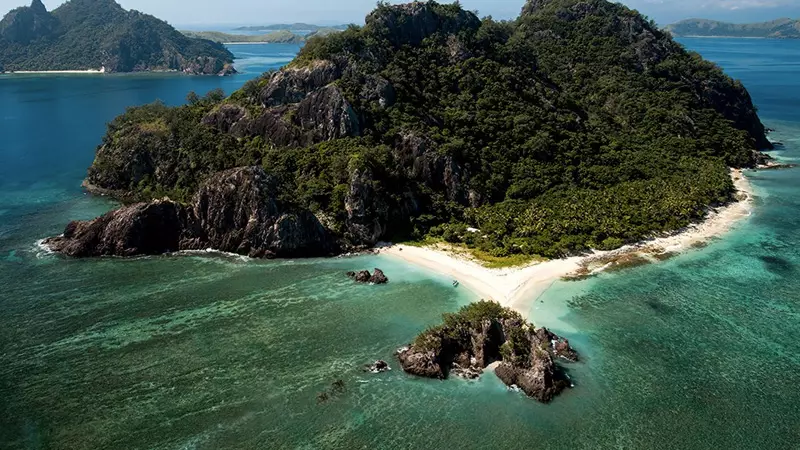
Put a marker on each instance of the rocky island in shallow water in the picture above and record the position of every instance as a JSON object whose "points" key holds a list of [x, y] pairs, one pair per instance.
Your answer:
{"points": [[483, 333], [578, 126], [100, 34]]}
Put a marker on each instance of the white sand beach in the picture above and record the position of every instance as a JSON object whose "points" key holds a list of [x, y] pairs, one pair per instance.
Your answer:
{"points": [[519, 287]]}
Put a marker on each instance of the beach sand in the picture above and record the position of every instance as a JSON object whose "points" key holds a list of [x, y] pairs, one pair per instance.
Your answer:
{"points": [[519, 287], [89, 71]]}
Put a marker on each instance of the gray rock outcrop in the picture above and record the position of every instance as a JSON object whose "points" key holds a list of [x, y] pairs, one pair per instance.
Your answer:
{"points": [[236, 211]]}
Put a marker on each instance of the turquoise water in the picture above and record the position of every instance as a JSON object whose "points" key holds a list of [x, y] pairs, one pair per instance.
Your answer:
{"points": [[213, 351]]}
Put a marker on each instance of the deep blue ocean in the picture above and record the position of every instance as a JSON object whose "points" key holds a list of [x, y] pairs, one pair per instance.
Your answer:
{"points": [[210, 351]]}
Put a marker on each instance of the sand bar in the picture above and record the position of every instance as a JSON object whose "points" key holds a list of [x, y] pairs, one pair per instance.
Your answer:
{"points": [[519, 287]]}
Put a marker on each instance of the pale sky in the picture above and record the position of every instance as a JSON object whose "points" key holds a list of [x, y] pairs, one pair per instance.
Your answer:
{"points": [[262, 12]]}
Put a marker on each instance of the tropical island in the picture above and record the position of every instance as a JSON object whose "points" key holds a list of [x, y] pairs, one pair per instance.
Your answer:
{"points": [[101, 36], [779, 29], [427, 122], [554, 141], [273, 37]]}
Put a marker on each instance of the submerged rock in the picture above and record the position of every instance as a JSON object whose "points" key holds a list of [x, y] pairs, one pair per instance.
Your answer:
{"points": [[484, 333], [378, 366]]}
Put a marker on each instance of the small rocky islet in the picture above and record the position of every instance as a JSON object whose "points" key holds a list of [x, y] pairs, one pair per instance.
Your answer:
{"points": [[482, 333]]}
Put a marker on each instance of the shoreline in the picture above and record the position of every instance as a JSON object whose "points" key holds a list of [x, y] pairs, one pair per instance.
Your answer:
{"points": [[28, 72], [519, 287]]}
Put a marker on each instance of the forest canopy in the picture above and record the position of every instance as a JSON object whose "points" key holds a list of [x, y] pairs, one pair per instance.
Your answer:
{"points": [[578, 125]]}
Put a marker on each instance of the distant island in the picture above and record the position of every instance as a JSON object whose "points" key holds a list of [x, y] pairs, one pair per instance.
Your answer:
{"points": [[101, 36], [779, 29], [579, 126], [294, 27], [275, 37]]}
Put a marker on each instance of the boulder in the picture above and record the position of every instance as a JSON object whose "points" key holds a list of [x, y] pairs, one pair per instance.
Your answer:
{"points": [[378, 277], [363, 276], [378, 366]]}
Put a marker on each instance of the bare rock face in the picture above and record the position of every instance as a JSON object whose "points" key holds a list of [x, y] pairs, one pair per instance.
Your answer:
{"points": [[325, 114], [140, 229], [292, 85], [421, 362], [539, 380], [367, 214], [234, 211], [238, 212]]}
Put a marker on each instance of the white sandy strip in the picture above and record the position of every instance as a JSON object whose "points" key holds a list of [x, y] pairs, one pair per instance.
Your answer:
{"points": [[519, 287], [92, 71]]}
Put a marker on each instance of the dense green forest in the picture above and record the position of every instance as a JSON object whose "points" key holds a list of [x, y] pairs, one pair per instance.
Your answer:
{"points": [[579, 125], [90, 34], [781, 28]]}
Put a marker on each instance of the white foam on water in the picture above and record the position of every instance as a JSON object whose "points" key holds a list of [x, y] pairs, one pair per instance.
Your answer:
{"points": [[42, 250]]}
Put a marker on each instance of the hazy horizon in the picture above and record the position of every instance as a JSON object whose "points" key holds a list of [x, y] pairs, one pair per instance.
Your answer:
{"points": [[321, 12]]}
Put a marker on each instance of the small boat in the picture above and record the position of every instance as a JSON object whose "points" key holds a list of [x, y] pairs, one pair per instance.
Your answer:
{"points": [[455, 283]]}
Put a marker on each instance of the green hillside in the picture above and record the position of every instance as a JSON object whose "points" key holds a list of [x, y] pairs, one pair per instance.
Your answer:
{"points": [[90, 34]]}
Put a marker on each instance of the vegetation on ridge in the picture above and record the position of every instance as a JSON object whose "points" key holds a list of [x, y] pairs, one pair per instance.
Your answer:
{"points": [[90, 34], [780, 28], [579, 125]]}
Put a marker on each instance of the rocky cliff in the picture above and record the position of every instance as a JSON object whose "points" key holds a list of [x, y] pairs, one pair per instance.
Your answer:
{"points": [[94, 34], [234, 211], [428, 121], [484, 333]]}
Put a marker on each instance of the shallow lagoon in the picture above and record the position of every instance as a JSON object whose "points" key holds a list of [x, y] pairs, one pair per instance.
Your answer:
{"points": [[211, 351]]}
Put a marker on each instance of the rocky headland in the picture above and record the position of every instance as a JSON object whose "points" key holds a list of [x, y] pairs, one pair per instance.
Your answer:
{"points": [[483, 334], [233, 211]]}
